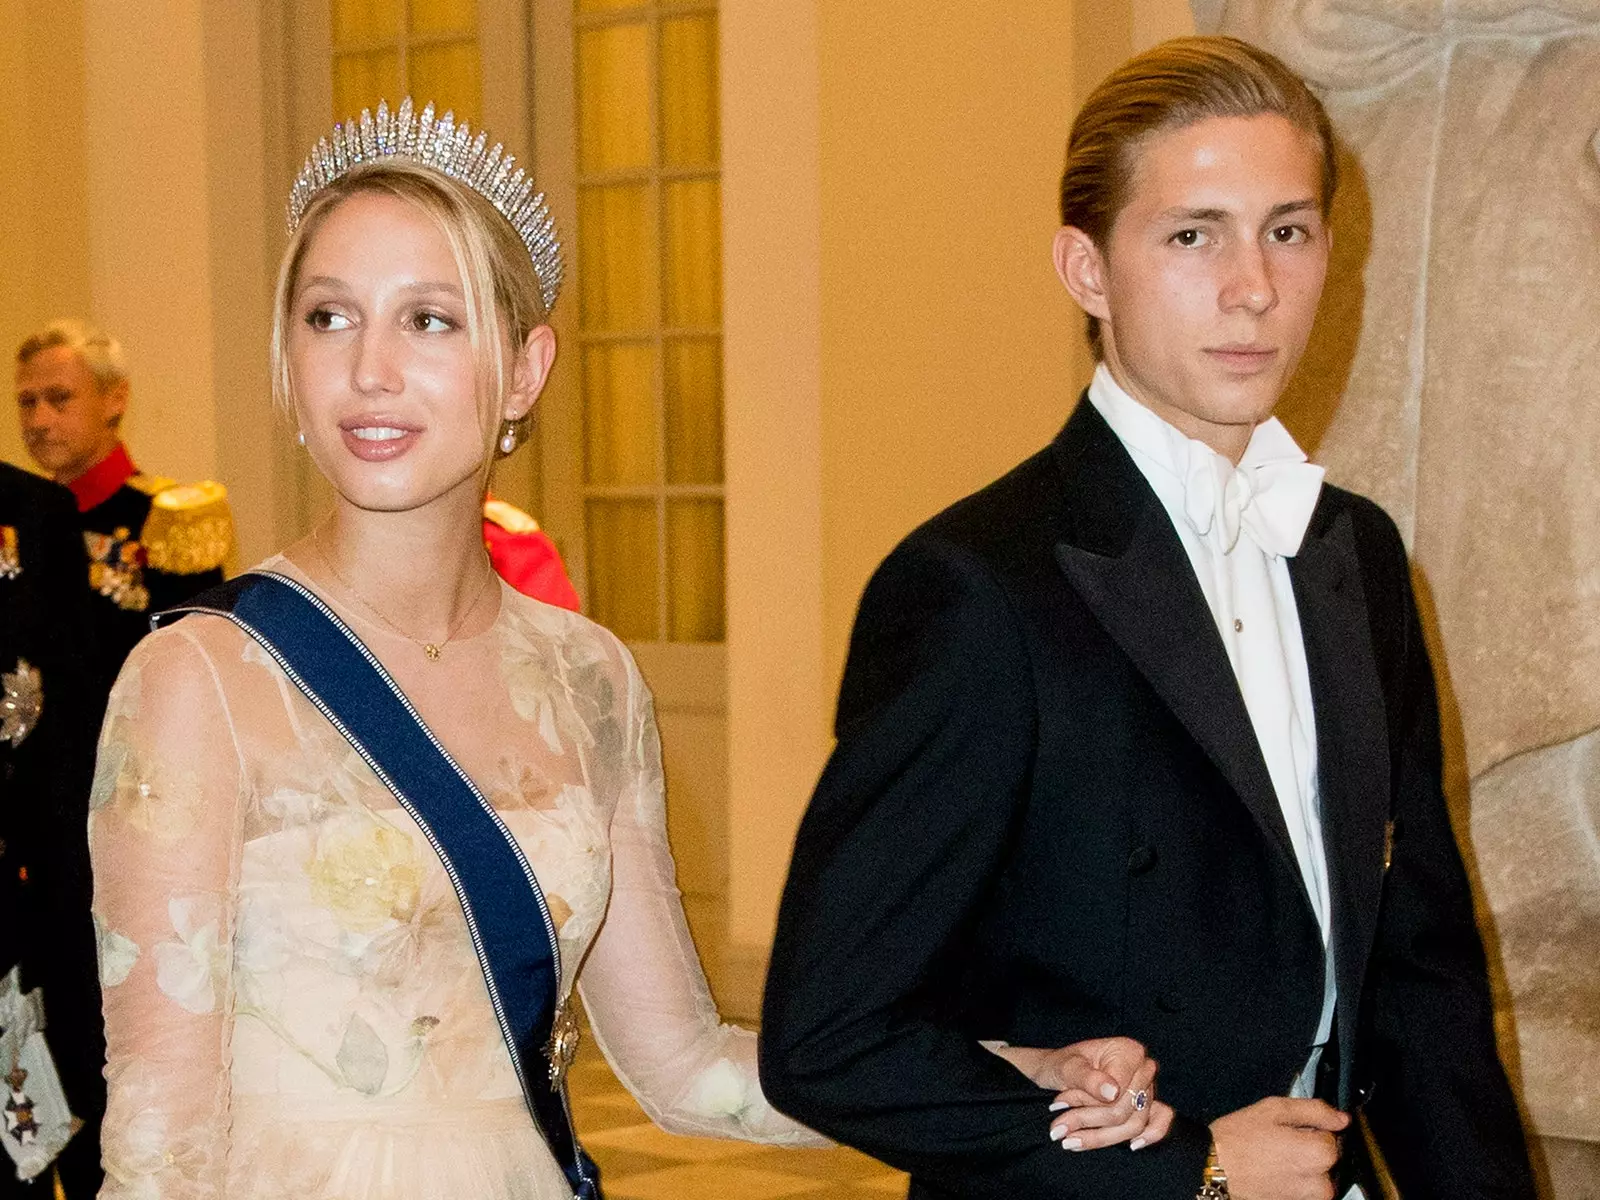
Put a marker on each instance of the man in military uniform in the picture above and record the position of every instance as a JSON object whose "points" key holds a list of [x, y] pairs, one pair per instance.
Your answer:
{"points": [[152, 544], [52, 697]]}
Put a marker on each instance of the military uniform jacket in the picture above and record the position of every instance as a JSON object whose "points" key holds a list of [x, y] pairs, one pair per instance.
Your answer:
{"points": [[52, 697], [152, 544]]}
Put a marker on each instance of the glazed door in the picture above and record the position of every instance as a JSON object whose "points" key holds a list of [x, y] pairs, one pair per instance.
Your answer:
{"points": [[627, 144]]}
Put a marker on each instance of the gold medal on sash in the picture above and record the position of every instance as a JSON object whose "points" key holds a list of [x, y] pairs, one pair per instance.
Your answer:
{"points": [[562, 1048]]}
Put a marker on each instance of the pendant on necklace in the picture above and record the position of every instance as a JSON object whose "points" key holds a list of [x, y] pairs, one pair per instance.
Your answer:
{"points": [[431, 651]]}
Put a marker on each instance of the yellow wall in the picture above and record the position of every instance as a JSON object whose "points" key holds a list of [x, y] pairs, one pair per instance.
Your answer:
{"points": [[44, 217], [949, 349], [778, 681], [148, 213]]}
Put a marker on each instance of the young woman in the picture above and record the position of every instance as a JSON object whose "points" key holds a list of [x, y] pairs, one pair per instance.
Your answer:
{"points": [[315, 983]]}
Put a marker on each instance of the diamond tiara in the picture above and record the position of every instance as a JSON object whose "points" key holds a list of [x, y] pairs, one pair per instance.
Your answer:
{"points": [[451, 149]]}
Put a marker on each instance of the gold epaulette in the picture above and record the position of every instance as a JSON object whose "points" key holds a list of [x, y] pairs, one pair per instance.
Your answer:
{"points": [[509, 517], [190, 528], [150, 484]]}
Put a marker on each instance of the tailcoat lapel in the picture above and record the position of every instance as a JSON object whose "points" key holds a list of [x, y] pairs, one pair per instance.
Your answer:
{"points": [[1352, 738], [1123, 557]]}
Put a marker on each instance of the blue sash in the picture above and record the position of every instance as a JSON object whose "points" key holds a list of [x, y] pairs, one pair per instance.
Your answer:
{"points": [[506, 913]]}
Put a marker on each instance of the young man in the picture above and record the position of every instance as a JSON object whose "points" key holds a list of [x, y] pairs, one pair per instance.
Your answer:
{"points": [[151, 544], [1142, 740]]}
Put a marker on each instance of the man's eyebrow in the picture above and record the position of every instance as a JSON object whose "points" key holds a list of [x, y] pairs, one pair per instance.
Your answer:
{"points": [[1291, 206], [1196, 214], [1219, 214]]}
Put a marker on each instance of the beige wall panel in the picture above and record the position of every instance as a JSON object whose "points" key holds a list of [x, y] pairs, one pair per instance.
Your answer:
{"points": [[950, 350], [778, 710], [148, 216], [244, 205], [44, 223], [1157, 20]]}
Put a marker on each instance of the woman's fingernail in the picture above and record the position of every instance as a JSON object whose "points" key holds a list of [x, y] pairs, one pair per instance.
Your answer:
{"points": [[1060, 1106], [1108, 1090], [1136, 1144], [1057, 1132], [1072, 1144]]}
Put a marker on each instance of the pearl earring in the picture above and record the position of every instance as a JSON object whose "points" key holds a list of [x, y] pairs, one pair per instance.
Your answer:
{"points": [[508, 439]]}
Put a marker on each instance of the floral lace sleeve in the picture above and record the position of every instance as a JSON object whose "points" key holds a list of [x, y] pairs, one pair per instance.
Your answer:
{"points": [[647, 998], [165, 838]]}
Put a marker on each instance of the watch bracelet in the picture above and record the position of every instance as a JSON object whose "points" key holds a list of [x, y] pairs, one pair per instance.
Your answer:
{"points": [[1214, 1185]]}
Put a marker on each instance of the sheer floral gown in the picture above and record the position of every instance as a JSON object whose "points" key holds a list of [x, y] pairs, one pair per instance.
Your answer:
{"points": [[293, 1006]]}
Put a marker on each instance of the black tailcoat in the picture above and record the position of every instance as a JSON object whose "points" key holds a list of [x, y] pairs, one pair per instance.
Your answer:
{"points": [[1047, 819], [45, 887]]}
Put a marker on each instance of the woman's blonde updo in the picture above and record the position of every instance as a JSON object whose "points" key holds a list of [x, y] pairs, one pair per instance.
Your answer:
{"points": [[1170, 86], [500, 288]]}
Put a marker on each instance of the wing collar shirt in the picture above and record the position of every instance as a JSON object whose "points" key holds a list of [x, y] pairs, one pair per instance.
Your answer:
{"points": [[1240, 526]]}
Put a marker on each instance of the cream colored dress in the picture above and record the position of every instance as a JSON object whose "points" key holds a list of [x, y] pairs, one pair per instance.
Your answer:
{"points": [[293, 1006]]}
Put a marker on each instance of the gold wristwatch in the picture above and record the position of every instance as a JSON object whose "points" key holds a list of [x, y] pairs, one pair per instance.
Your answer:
{"points": [[1215, 1181]]}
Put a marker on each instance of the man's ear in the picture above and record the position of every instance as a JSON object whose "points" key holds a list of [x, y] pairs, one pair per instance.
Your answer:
{"points": [[530, 369], [115, 402], [1082, 269]]}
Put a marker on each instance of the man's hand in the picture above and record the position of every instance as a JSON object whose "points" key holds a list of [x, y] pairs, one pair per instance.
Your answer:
{"points": [[1095, 1083], [1280, 1149]]}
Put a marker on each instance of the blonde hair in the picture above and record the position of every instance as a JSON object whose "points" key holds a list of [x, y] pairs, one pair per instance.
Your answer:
{"points": [[500, 288], [1170, 86], [101, 353]]}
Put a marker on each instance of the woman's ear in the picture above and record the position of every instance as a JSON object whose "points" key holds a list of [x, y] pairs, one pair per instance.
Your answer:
{"points": [[1082, 269], [530, 369]]}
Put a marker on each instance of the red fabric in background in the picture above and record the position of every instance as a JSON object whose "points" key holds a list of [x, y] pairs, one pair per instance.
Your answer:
{"points": [[529, 562]]}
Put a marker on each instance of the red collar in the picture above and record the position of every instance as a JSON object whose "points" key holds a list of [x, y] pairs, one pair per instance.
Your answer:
{"points": [[101, 481]]}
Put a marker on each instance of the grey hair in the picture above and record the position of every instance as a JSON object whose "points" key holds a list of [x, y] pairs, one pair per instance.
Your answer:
{"points": [[101, 353]]}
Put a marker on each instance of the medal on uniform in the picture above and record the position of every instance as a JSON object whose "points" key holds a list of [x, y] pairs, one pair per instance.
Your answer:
{"points": [[10, 555], [116, 568], [21, 702]]}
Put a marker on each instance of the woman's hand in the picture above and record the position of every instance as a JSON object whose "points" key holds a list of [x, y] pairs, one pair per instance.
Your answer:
{"points": [[1097, 1084]]}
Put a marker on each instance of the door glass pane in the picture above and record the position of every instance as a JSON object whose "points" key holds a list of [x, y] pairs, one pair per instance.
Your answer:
{"points": [[614, 97], [623, 569], [360, 22], [361, 80], [448, 75], [619, 383], [693, 228], [430, 18], [689, 132], [694, 410], [694, 567], [617, 265]]}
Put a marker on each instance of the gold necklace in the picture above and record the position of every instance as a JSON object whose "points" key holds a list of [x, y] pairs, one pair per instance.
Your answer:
{"points": [[433, 650]]}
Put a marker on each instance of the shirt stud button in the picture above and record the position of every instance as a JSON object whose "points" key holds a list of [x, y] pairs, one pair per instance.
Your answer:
{"points": [[1238, 625], [1142, 860]]}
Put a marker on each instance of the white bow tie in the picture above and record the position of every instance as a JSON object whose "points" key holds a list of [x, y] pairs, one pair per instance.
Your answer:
{"points": [[1270, 495]]}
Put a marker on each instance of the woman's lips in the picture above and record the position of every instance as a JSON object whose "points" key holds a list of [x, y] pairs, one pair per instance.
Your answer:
{"points": [[378, 441]]}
